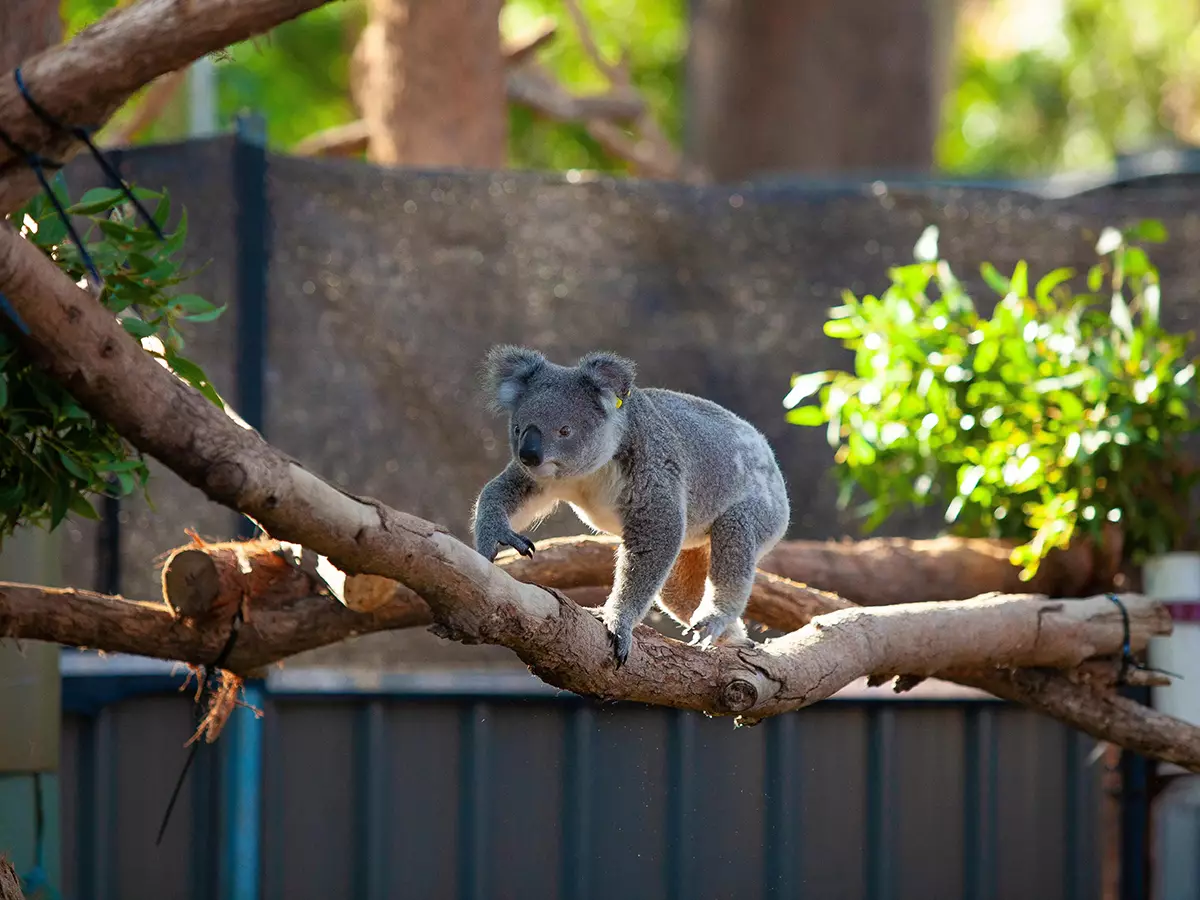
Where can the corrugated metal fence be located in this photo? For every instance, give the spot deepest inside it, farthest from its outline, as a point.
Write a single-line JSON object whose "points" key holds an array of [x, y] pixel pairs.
{"points": [[457, 792]]}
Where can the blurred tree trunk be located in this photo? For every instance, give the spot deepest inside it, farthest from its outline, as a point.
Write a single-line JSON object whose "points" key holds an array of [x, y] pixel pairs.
{"points": [[816, 86], [27, 27], [429, 79]]}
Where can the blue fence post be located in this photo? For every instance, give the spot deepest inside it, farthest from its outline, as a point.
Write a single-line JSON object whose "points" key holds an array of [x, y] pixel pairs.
{"points": [[241, 783]]}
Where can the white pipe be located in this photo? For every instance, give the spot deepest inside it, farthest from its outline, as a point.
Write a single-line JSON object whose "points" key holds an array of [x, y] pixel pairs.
{"points": [[202, 98]]}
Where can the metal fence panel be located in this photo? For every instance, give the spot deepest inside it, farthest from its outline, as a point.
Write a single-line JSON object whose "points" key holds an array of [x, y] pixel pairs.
{"points": [[460, 797]]}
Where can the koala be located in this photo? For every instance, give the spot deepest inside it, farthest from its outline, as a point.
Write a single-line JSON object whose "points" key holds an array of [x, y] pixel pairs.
{"points": [[667, 472]]}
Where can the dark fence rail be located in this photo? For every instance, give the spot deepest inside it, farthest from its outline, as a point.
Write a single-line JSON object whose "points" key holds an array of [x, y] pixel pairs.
{"points": [[449, 792]]}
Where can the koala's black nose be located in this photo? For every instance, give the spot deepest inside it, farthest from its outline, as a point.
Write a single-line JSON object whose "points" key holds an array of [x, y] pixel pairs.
{"points": [[530, 449]]}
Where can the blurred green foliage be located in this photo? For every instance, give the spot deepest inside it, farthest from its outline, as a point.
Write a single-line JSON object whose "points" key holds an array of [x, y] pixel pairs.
{"points": [[1052, 85], [297, 76], [1063, 410], [1037, 86]]}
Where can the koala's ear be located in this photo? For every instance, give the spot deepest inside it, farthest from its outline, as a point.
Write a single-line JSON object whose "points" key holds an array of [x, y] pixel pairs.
{"points": [[609, 372], [507, 372]]}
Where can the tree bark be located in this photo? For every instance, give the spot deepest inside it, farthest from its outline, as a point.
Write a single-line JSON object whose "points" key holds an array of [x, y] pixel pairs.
{"points": [[27, 27], [10, 883], [433, 84], [815, 85], [85, 80]]}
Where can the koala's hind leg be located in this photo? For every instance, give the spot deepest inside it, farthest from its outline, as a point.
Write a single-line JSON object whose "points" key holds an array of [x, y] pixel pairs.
{"points": [[739, 538], [684, 587]]}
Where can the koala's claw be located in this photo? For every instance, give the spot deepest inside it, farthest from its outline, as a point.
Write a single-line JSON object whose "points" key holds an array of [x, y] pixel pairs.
{"points": [[520, 543], [708, 631], [621, 642]]}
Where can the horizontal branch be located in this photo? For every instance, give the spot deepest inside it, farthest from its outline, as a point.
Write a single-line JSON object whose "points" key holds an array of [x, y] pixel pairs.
{"points": [[84, 81], [339, 140], [92, 621]]}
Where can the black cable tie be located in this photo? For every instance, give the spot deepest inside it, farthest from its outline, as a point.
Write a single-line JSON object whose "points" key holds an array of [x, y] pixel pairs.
{"points": [[206, 689], [82, 134], [38, 164], [1128, 660]]}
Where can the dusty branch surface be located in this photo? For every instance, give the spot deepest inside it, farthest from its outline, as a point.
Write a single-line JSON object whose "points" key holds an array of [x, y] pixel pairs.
{"points": [[85, 80]]}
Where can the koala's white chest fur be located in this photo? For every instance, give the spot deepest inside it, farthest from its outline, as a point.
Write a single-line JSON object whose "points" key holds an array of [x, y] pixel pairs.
{"points": [[596, 498]]}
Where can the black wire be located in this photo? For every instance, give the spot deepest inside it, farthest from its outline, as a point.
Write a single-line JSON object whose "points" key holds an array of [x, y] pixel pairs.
{"points": [[83, 135], [1128, 660], [39, 821], [38, 164], [209, 671]]}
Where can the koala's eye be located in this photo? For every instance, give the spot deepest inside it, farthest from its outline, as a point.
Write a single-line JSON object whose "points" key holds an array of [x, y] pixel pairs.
{"points": [[565, 431], [516, 429]]}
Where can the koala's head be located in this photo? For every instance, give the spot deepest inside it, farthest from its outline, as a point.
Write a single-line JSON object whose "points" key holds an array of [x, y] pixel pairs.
{"points": [[564, 421]]}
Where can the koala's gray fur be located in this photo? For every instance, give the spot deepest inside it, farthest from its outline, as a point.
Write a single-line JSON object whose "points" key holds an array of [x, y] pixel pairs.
{"points": [[663, 470]]}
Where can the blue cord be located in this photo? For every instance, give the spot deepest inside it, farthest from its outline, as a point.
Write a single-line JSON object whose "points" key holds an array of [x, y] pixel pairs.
{"points": [[35, 879]]}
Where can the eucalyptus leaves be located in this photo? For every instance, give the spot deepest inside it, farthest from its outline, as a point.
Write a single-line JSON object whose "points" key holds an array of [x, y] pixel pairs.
{"points": [[53, 454], [1058, 413]]}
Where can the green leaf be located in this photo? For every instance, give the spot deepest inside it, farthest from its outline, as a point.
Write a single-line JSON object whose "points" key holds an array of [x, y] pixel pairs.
{"points": [[194, 375], [806, 415], [1152, 231], [1110, 241], [804, 386], [1020, 279], [80, 506], [1120, 314], [96, 200], [190, 303], [994, 279], [3, 390], [926, 249], [209, 316], [138, 328], [843, 329], [73, 467], [1047, 283]]}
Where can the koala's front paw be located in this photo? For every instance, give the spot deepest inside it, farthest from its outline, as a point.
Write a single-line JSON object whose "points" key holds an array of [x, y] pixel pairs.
{"points": [[489, 545], [620, 637], [708, 630]]}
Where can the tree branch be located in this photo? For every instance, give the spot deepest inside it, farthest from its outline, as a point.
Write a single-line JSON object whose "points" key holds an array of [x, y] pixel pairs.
{"points": [[153, 105], [85, 80]]}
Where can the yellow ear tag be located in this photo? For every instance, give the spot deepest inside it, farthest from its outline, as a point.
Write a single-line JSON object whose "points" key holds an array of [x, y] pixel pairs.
{"points": [[619, 402]]}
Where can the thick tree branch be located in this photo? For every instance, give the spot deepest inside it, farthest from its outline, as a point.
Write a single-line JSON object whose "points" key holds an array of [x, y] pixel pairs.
{"points": [[85, 80]]}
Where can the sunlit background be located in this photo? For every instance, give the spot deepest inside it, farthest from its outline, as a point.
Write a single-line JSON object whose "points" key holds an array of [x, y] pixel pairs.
{"points": [[1037, 86]]}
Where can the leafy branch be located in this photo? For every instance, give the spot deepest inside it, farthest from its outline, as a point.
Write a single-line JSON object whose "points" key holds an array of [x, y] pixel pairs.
{"points": [[1059, 413], [54, 455]]}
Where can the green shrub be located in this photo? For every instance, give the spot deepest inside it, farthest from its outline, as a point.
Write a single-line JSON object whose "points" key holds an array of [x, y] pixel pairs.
{"points": [[1061, 411]]}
